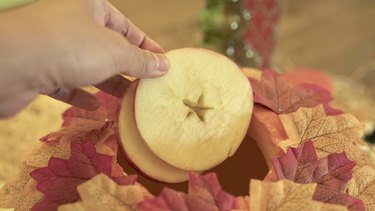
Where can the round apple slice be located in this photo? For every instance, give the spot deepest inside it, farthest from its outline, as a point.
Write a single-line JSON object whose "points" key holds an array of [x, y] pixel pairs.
{"points": [[135, 149], [196, 115]]}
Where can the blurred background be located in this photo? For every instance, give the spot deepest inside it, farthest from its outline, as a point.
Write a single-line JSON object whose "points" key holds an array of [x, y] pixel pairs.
{"points": [[335, 36]]}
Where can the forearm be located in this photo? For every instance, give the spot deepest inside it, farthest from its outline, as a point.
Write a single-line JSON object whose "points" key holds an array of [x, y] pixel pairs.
{"points": [[55, 47], [15, 89], [25, 48]]}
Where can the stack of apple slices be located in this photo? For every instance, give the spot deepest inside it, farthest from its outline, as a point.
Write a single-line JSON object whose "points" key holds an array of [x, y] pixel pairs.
{"points": [[191, 119]]}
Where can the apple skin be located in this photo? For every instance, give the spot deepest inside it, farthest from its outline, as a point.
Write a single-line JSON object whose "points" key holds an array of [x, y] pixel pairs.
{"points": [[131, 164], [122, 150], [142, 156], [162, 113], [267, 130]]}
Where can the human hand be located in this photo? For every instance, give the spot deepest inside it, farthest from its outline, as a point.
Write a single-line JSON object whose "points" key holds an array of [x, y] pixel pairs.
{"points": [[56, 46]]}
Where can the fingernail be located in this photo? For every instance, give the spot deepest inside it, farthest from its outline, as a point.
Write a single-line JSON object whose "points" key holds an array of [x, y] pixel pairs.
{"points": [[163, 63]]}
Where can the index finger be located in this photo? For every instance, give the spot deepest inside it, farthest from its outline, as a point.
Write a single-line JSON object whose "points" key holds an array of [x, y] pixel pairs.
{"points": [[118, 22]]}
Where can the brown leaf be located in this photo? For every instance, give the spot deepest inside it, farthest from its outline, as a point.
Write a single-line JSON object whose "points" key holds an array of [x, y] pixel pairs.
{"points": [[367, 148], [286, 195], [57, 144], [334, 134], [204, 193], [102, 193], [60, 179], [274, 92], [362, 186], [107, 111], [331, 174], [19, 133], [20, 191], [330, 134]]}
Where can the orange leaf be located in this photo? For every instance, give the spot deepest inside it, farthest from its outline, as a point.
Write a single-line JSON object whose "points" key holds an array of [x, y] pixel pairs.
{"points": [[274, 92], [334, 134], [286, 195], [102, 193], [362, 186], [57, 144], [204, 193], [330, 134], [20, 191]]}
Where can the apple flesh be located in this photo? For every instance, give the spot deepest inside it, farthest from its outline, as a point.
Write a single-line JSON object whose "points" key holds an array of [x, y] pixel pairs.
{"points": [[135, 149], [197, 115]]}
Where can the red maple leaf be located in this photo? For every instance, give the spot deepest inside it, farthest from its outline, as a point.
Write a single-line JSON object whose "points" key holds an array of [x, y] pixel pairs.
{"points": [[59, 180], [106, 111], [99, 133], [274, 92], [93, 131], [331, 173], [205, 193]]}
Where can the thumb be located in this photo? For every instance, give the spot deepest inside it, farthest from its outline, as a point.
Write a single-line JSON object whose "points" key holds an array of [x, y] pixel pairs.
{"points": [[134, 61]]}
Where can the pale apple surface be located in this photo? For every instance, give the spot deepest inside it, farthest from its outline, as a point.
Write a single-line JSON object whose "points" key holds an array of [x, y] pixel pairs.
{"points": [[135, 149], [196, 115]]}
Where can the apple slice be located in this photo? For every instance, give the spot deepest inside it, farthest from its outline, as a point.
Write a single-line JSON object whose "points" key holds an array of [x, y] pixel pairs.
{"points": [[136, 150], [196, 115]]}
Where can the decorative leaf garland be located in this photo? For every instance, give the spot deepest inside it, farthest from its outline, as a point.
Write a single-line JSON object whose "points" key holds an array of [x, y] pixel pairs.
{"points": [[330, 173], [274, 92], [59, 180], [102, 193], [325, 168]]}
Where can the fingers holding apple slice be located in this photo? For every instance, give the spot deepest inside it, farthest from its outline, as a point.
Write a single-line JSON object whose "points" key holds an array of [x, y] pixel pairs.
{"points": [[135, 149], [195, 116]]}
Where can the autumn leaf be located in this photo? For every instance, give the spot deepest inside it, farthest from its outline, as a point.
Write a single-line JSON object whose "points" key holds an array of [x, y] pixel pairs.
{"points": [[274, 92], [307, 75], [241, 204], [367, 148], [330, 134], [331, 174], [100, 133], [59, 180], [286, 195], [102, 193], [19, 192], [302, 165], [205, 193], [106, 111], [362, 186], [19, 133]]}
